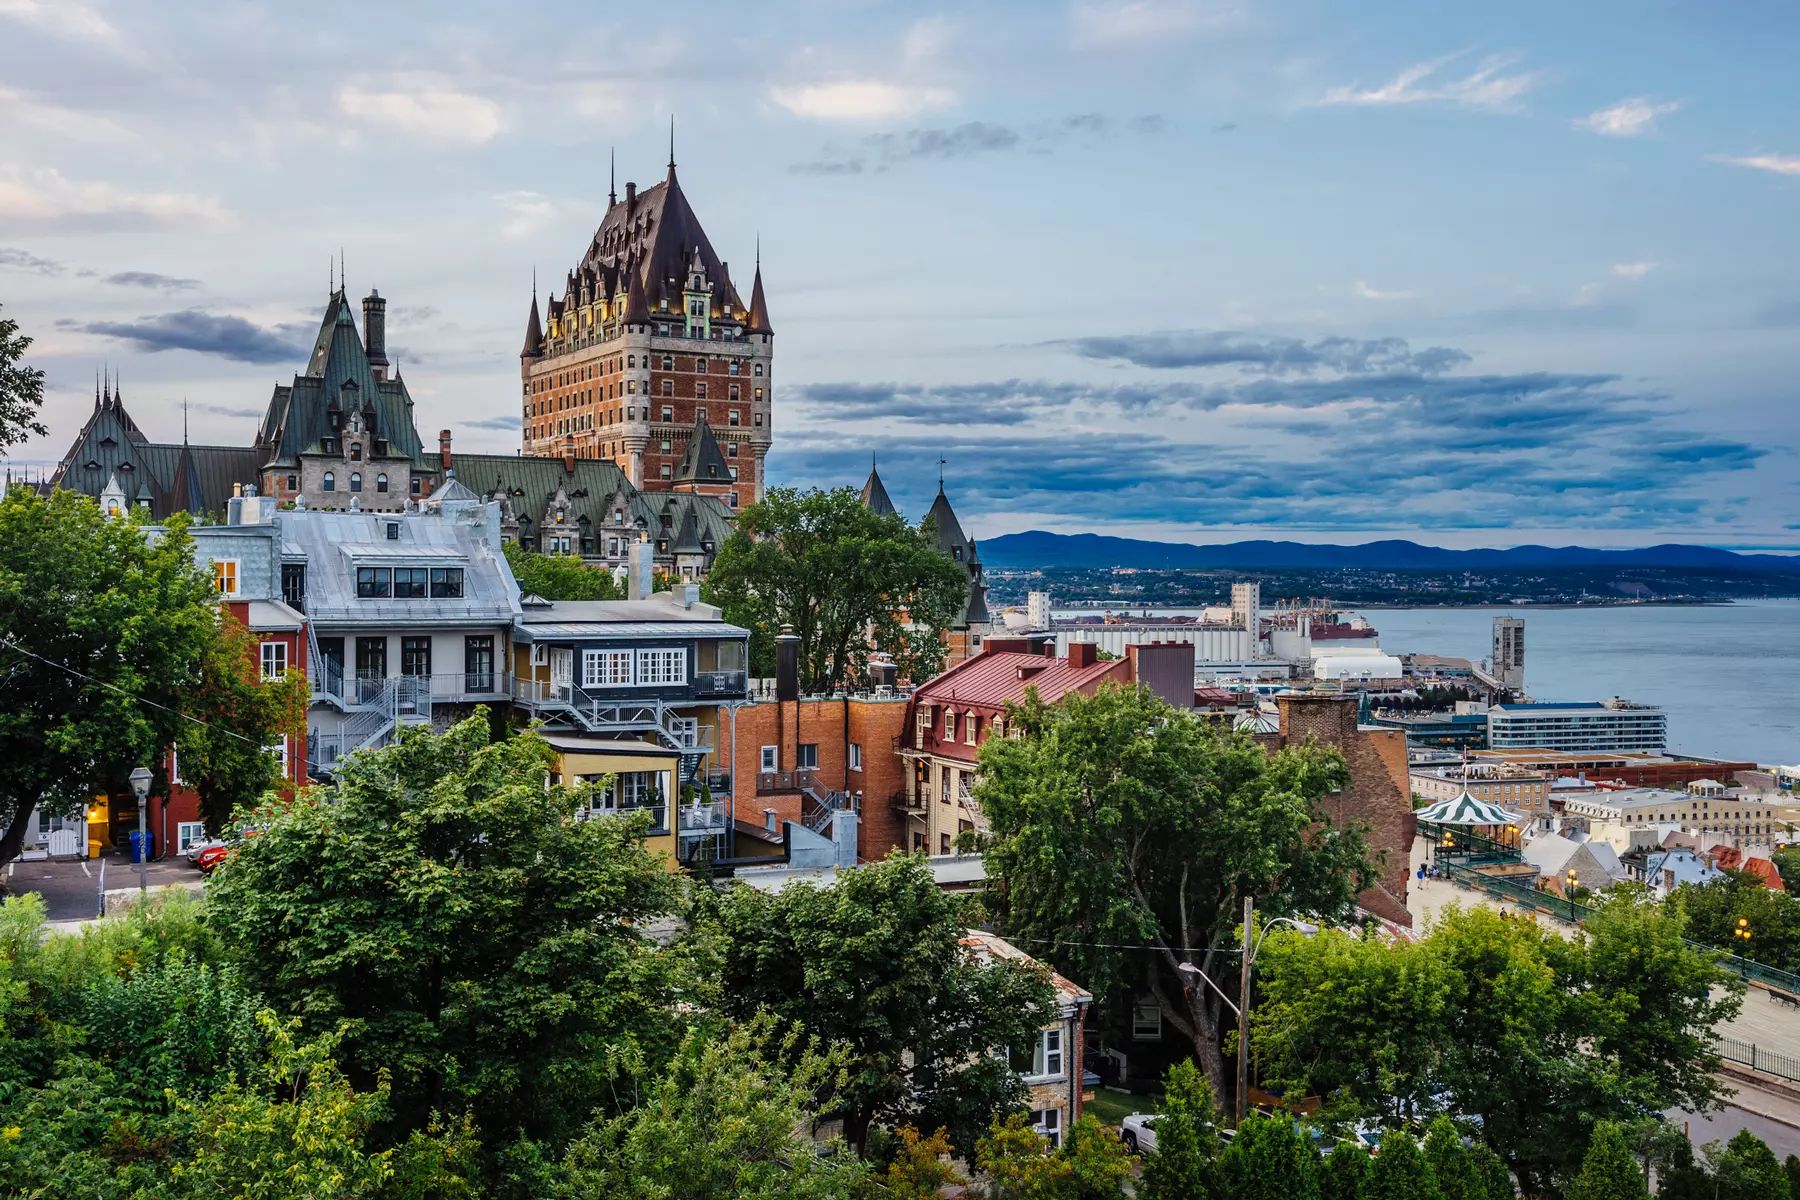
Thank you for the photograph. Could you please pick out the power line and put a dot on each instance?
(1128, 946)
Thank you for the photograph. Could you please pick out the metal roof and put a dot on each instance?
(326, 540)
(993, 679)
(611, 630)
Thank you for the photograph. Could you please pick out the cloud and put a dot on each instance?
(1140, 22)
(1628, 118)
(1369, 293)
(860, 100)
(1490, 87)
(1781, 164)
(149, 279)
(882, 151)
(527, 212)
(64, 18)
(1636, 270)
(45, 196)
(22, 260)
(421, 105)
(1266, 354)
(203, 333)
(222, 411)
(501, 423)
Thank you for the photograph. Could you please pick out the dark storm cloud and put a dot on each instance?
(204, 333)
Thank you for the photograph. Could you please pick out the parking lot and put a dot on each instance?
(71, 890)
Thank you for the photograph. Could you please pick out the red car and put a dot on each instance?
(211, 857)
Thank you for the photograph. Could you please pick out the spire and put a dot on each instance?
(184, 421)
(612, 188)
(941, 463)
(534, 328)
(874, 494)
(671, 144)
(759, 308)
(637, 306)
(96, 391)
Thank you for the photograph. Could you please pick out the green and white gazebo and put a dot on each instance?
(1452, 825)
(1467, 810)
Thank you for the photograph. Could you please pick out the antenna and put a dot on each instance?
(941, 463)
(184, 421)
(671, 139)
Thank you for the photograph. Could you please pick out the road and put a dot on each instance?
(71, 890)
(1773, 1118)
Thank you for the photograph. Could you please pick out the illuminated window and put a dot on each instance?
(225, 577)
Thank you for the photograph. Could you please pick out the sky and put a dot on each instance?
(1468, 274)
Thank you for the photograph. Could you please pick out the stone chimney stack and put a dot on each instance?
(787, 664)
(444, 449)
(569, 453)
(375, 332)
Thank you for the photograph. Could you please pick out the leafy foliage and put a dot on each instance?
(920, 1169)
(1610, 1170)
(21, 389)
(1342, 1172)
(847, 579)
(476, 943)
(79, 592)
(1400, 1171)
(224, 756)
(1015, 1163)
(1120, 824)
(720, 1122)
(1269, 1159)
(877, 962)
(1746, 1169)
(1712, 912)
(1183, 1165)
(559, 576)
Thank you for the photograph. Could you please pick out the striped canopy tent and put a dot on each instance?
(1467, 810)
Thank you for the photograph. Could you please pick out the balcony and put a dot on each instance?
(770, 783)
(720, 685)
(702, 820)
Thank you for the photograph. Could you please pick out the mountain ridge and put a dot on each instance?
(1040, 548)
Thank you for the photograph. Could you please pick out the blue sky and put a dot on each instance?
(1474, 276)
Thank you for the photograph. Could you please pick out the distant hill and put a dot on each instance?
(1037, 548)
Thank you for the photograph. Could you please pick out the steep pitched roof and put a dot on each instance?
(874, 495)
(688, 540)
(759, 307)
(529, 484)
(338, 378)
(950, 534)
(997, 678)
(703, 462)
(656, 235)
(534, 332)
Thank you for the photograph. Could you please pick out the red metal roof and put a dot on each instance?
(993, 680)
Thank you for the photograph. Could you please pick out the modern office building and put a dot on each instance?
(1509, 653)
(1597, 725)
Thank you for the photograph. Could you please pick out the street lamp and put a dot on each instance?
(140, 783)
(1571, 891)
(1742, 931)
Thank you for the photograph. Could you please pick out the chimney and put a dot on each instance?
(444, 448)
(630, 196)
(787, 664)
(640, 577)
(690, 595)
(375, 332)
(768, 813)
(569, 453)
(1083, 654)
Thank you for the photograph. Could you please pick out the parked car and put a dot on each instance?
(1138, 1132)
(197, 848)
(212, 856)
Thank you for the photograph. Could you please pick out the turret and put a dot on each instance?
(375, 332)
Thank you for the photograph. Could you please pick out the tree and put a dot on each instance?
(1119, 824)
(1269, 1160)
(849, 581)
(1712, 913)
(1746, 1169)
(1609, 1170)
(1792, 1166)
(877, 961)
(1099, 1163)
(722, 1122)
(1787, 863)
(1342, 1173)
(1450, 1163)
(224, 755)
(103, 636)
(1400, 1171)
(559, 576)
(920, 1169)
(21, 389)
(1016, 1163)
(1506, 1021)
(1184, 1164)
(481, 946)
(1496, 1180)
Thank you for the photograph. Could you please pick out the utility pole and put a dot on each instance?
(1243, 1063)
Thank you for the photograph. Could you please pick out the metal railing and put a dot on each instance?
(828, 806)
(720, 684)
(1784, 1066)
(1526, 896)
(701, 820)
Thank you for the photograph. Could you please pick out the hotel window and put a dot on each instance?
(668, 360)
(373, 583)
(381, 483)
(668, 447)
(731, 449)
(330, 483)
(293, 483)
(856, 756)
(605, 668)
(759, 420)
(274, 660)
(631, 387)
(700, 391)
(666, 473)
(971, 728)
(661, 667)
(734, 367)
(759, 375)
(949, 726)
(356, 481)
(732, 500)
(355, 451)
(447, 583)
(225, 577)
(731, 418)
(668, 387)
(759, 393)
(668, 414)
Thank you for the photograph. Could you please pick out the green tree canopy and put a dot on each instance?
(1505, 1020)
(1746, 1169)
(1014, 1162)
(104, 637)
(920, 1168)
(1400, 1171)
(21, 389)
(877, 962)
(1269, 1159)
(1712, 912)
(1184, 1165)
(559, 576)
(847, 579)
(1342, 1172)
(724, 1121)
(224, 755)
(1609, 1170)
(478, 943)
(1120, 824)
(1099, 1163)
(1451, 1164)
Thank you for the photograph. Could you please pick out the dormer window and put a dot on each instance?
(355, 451)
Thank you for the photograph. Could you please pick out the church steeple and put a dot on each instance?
(534, 327)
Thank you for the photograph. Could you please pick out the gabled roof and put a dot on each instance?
(528, 485)
(997, 678)
(703, 462)
(338, 378)
(875, 497)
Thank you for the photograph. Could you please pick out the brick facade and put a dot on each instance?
(1379, 794)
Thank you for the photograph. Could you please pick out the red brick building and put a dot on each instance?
(649, 343)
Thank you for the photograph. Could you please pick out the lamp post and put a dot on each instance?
(1742, 931)
(140, 783)
(1571, 891)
